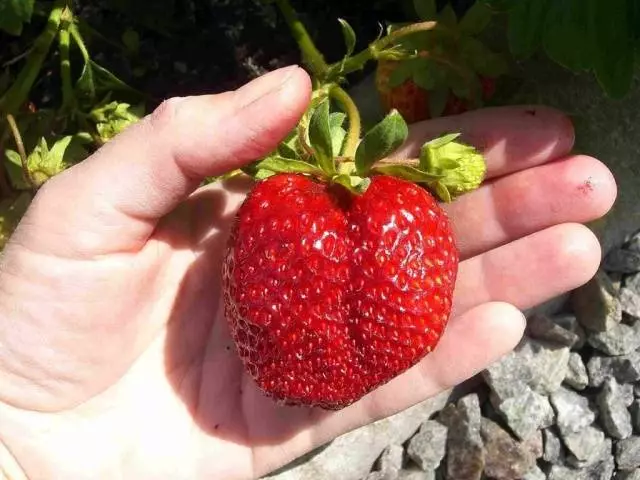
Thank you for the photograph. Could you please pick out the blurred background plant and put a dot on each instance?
(75, 73)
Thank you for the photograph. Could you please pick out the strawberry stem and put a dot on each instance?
(372, 52)
(17, 139)
(353, 114)
(310, 53)
(13, 98)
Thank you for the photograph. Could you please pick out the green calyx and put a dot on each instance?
(322, 147)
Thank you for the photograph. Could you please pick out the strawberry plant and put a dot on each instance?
(449, 69)
(38, 143)
(341, 264)
(597, 36)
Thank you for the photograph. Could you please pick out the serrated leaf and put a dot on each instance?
(384, 138)
(349, 36)
(287, 165)
(613, 55)
(438, 101)
(476, 19)
(526, 22)
(426, 9)
(320, 137)
(407, 172)
(566, 38)
(14, 14)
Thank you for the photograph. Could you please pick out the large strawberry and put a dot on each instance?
(339, 276)
(445, 71)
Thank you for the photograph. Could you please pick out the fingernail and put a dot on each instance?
(265, 85)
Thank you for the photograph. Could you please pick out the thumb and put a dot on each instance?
(112, 201)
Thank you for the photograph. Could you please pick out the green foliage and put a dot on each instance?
(89, 113)
(598, 36)
(14, 14)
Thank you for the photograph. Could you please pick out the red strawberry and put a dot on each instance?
(330, 294)
(412, 101)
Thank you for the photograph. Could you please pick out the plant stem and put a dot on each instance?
(310, 53)
(64, 39)
(353, 114)
(358, 61)
(13, 98)
(17, 138)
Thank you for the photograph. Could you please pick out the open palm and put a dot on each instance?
(115, 359)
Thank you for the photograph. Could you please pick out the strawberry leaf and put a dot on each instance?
(380, 141)
(407, 172)
(613, 56)
(426, 9)
(13, 14)
(279, 164)
(526, 21)
(448, 17)
(482, 60)
(349, 36)
(338, 134)
(476, 19)
(402, 72)
(566, 37)
(354, 184)
(320, 137)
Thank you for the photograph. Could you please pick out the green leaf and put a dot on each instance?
(448, 17)
(403, 71)
(526, 22)
(338, 134)
(279, 164)
(14, 14)
(336, 119)
(407, 172)
(286, 150)
(566, 38)
(426, 9)
(44, 162)
(380, 141)
(14, 170)
(613, 55)
(112, 118)
(476, 19)
(438, 101)
(349, 36)
(482, 60)
(320, 137)
(354, 184)
(131, 41)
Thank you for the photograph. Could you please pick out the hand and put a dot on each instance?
(115, 360)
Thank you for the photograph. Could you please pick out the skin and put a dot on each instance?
(115, 359)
